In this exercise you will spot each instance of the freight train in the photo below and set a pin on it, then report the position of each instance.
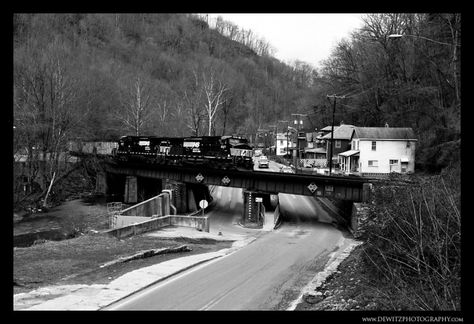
(219, 152)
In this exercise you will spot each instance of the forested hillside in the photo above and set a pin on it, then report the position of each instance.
(101, 76)
(155, 74)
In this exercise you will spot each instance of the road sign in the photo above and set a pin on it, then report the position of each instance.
(203, 203)
(225, 180)
(199, 177)
(312, 187)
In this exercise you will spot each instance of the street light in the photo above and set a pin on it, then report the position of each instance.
(422, 37)
(454, 50)
(298, 122)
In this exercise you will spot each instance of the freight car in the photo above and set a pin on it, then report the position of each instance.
(221, 152)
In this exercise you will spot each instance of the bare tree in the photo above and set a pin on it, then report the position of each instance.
(136, 100)
(214, 91)
(46, 91)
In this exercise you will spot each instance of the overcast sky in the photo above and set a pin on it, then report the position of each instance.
(306, 37)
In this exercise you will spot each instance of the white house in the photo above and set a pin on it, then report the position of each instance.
(283, 142)
(376, 150)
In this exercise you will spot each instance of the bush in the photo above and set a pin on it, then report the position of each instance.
(413, 246)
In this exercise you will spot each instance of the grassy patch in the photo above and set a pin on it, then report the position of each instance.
(51, 261)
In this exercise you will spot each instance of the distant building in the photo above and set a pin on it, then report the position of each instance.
(284, 143)
(379, 150)
(92, 147)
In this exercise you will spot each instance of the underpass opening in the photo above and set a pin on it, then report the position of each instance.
(296, 209)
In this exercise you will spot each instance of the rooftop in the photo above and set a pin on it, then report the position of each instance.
(384, 133)
(341, 132)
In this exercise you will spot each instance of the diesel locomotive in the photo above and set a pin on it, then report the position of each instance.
(220, 152)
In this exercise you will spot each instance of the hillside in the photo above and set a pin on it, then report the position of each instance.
(166, 59)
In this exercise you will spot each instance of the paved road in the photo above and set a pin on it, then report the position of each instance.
(268, 274)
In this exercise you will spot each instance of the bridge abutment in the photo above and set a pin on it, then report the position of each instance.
(186, 196)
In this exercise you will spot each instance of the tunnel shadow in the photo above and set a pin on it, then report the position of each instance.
(294, 220)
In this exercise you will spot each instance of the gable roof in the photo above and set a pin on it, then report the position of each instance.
(394, 133)
(327, 128)
(341, 132)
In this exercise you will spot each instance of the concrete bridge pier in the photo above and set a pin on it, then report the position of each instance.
(139, 189)
(131, 186)
(101, 183)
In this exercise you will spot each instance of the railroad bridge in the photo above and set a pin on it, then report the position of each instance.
(139, 182)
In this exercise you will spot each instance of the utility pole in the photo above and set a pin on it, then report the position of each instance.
(332, 129)
(287, 129)
(298, 122)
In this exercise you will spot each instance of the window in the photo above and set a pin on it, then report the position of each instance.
(404, 167)
(357, 145)
(393, 161)
(373, 163)
(408, 144)
(281, 142)
(283, 150)
(338, 144)
(374, 145)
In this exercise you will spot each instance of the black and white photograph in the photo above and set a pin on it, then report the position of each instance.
(297, 162)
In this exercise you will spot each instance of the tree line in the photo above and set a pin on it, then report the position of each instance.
(404, 70)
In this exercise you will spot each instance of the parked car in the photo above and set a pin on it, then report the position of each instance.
(263, 162)
(287, 169)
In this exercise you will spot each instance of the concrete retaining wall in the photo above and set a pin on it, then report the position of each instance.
(201, 223)
(156, 223)
(359, 217)
(158, 205)
(121, 220)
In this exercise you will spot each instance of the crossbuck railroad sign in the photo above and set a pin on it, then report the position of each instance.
(199, 177)
(312, 187)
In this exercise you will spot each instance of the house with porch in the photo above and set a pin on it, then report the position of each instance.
(379, 150)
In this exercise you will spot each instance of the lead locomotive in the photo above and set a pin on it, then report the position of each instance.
(219, 152)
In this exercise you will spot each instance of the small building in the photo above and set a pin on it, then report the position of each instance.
(341, 140)
(284, 143)
(379, 150)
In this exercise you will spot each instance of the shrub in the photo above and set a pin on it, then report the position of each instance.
(413, 246)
